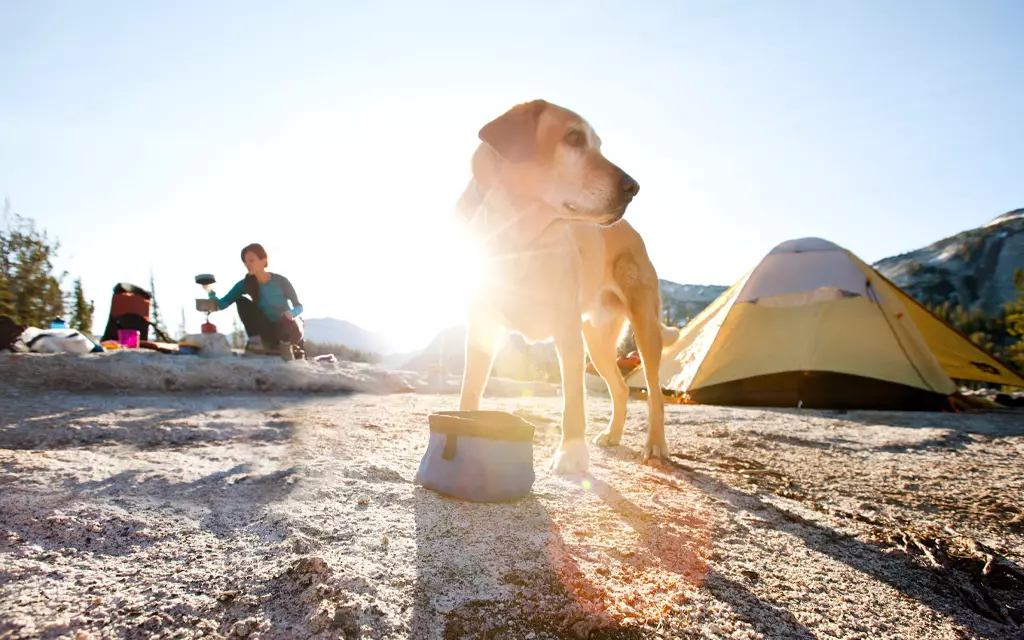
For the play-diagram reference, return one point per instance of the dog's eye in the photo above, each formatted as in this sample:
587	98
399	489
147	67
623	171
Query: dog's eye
575	138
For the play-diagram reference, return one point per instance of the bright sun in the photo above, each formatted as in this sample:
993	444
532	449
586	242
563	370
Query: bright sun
437	265
411	264
461	268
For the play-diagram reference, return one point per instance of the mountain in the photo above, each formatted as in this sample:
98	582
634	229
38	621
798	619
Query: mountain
516	359
447	349
973	268
334	331
680	302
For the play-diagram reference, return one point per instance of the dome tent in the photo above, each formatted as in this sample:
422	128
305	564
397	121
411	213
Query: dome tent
812	325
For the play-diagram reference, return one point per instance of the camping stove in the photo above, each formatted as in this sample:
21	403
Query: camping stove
206	305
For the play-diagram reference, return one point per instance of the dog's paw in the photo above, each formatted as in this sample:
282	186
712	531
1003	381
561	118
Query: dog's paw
572	459
607	438
656	453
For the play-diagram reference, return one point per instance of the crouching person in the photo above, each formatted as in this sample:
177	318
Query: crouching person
267	306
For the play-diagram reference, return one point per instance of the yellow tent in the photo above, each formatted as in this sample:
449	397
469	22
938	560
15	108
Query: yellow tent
814	326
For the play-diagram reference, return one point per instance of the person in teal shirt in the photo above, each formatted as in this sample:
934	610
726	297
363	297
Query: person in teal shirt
267	304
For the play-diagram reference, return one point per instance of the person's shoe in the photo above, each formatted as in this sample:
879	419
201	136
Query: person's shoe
286	351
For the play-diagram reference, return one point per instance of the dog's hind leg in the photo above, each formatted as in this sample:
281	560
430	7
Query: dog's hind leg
645	318
482	338
602	345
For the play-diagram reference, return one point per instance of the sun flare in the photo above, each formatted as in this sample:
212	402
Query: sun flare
466	265
458	267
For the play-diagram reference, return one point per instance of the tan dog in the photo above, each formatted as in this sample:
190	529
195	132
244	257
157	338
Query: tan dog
562	265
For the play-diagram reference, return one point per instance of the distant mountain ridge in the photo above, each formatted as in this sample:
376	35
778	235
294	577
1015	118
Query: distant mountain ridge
973	268
680	302
343	332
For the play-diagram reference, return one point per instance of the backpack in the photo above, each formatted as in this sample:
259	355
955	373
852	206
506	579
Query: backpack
10	331
130	308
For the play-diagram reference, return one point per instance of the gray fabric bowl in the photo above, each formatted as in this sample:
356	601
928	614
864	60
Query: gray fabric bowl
481	456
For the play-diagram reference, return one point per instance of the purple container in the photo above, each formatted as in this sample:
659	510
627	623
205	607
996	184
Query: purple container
128	338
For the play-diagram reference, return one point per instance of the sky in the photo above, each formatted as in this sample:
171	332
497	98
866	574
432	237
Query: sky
163	137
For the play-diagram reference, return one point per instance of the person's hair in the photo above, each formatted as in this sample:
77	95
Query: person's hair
256	248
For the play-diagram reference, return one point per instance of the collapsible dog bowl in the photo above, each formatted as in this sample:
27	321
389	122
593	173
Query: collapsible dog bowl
128	338
482	456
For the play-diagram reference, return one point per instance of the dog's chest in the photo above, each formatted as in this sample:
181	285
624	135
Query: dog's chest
536	292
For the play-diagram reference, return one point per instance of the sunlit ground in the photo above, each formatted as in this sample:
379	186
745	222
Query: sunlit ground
629	559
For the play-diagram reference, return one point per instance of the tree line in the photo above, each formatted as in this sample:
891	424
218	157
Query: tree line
1001	334
31	290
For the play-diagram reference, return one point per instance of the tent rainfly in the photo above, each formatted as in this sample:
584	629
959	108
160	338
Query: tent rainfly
814	326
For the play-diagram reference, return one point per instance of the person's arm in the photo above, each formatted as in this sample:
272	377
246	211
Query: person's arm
231	298
289	293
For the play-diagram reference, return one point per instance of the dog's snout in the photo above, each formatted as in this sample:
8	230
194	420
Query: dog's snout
629	186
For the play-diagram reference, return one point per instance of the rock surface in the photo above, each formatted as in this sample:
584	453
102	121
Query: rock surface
240	515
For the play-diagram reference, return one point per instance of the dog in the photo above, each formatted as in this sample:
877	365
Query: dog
546	208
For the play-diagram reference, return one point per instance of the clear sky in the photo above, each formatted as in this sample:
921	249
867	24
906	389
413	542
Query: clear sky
166	136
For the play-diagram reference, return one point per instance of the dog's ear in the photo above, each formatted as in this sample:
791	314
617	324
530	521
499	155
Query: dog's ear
514	133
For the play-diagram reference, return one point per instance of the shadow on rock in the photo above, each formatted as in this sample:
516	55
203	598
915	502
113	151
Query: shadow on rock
894	569
66	421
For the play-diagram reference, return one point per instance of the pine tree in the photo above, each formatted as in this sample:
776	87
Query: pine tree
29	289
182	331
1015	321
237	335
666	309
157	321
81	311
960	318
7	295
152	292
6	289
983	340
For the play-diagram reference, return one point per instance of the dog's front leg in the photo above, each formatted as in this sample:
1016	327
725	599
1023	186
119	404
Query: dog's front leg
482	335
572	456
